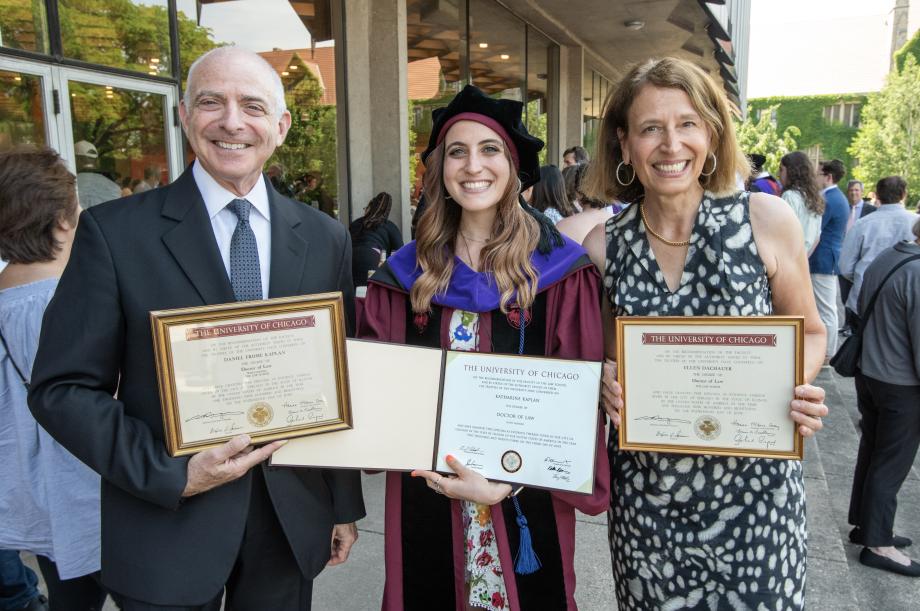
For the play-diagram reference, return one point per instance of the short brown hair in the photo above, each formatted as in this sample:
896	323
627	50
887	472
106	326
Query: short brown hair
891	189
37	192
707	99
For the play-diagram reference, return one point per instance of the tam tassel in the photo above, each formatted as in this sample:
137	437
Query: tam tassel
420	321
526	561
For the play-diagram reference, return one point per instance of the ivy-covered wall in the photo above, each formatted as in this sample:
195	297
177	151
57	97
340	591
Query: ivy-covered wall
807	113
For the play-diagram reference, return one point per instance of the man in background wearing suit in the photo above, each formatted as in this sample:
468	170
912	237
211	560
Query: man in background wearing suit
178	532
858	209
823	260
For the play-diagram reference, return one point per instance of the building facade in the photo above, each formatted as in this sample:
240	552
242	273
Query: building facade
101	80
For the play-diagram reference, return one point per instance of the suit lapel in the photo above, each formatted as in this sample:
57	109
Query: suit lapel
289	250
191	241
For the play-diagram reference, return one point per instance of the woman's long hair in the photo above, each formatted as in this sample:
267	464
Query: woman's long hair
378	210
506	255
550	192
801	177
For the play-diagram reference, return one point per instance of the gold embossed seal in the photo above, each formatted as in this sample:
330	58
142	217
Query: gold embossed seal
707	427
260	414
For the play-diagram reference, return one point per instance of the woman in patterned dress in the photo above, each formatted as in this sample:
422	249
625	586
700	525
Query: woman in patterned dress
706	532
485	275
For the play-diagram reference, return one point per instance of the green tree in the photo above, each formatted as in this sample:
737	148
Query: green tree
761	136
536	125
888	140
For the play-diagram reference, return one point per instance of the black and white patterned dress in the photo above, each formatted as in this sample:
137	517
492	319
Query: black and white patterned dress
705	532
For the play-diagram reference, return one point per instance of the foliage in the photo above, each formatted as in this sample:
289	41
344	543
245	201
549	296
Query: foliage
761	136
807	113
536	124
911	47
310	145
888	141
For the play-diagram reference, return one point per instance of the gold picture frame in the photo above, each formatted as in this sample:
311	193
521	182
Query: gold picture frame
274	369
710	384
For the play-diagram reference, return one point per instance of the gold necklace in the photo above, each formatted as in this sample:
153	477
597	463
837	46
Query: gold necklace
466	237
658	235
469	253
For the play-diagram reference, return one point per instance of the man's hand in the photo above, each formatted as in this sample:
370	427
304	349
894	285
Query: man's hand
343	537
218	466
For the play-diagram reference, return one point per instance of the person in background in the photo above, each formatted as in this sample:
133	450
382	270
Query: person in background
19	584
276	175
873	234
593	211
802	193
822	263
692	244
373	235
859	208
888	396
762	181
486	274
93	187
151	179
49	500
574	155
125	185
549	195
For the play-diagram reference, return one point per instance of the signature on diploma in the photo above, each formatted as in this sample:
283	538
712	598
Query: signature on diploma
225	428
214	416
755	429
671	434
474	450
304	411
472	464
561	468
663	420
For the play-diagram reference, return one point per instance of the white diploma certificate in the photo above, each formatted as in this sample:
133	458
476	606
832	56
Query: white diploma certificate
270	370
710	385
522	420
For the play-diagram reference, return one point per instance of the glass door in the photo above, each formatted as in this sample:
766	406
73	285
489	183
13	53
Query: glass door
27	105
122	135
118	134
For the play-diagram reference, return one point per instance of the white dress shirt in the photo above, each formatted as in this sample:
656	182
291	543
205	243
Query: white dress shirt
223	221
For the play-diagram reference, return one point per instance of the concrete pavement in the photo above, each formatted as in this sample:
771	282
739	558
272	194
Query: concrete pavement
836	580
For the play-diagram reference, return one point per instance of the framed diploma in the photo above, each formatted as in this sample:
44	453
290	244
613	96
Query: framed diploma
273	369
710	384
516	419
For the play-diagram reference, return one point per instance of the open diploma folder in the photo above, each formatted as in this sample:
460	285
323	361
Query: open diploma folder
516	419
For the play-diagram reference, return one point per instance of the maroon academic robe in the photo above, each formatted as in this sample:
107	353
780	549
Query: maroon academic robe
572	330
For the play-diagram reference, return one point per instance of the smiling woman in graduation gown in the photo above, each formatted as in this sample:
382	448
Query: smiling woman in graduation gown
453	553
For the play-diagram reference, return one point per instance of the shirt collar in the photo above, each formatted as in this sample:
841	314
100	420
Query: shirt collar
826	189
216	197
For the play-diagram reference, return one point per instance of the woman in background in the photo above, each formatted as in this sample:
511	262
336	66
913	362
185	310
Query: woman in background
593	211
549	195
49	500
372	236
802	193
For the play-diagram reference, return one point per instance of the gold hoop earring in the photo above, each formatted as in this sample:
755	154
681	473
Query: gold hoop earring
620	180
715	163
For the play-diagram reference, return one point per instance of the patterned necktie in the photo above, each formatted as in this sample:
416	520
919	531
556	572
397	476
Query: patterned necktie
245	273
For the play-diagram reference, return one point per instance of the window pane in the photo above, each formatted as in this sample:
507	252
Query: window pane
117	134
496	50
433	74
22	117
128	34
296	38
23	25
540	55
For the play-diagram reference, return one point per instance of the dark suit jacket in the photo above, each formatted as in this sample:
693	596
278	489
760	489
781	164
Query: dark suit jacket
151	251
867	209
833	227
